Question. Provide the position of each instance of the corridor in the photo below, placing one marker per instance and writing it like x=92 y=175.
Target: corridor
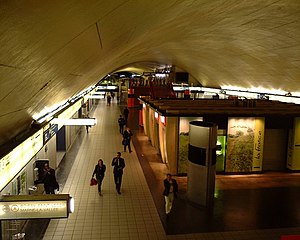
x=138 y=212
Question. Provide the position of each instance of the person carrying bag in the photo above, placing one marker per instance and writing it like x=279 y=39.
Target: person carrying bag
x=99 y=171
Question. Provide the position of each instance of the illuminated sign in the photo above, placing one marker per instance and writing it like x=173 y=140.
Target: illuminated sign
x=163 y=120
x=96 y=96
x=68 y=113
x=34 y=207
x=13 y=162
x=76 y=121
x=245 y=144
x=113 y=87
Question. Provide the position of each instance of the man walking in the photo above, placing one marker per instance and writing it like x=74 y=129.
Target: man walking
x=126 y=113
x=118 y=163
x=170 y=191
x=127 y=134
x=121 y=122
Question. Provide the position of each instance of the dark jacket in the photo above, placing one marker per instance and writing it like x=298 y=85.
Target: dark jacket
x=50 y=179
x=99 y=171
x=126 y=112
x=168 y=186
x=118 y=165
x=127 y=135
x=121 y=121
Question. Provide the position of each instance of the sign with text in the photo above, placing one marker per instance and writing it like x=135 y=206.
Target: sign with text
x=35 y=206
x=245 y=144
x=50 y=132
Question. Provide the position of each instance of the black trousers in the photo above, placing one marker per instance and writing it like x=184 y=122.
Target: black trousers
x=118 y=181
x=121 y=129
x=129 y=147
x=49 y=189
x=99 y=181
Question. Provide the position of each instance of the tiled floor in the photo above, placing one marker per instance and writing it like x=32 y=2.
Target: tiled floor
x=137 y=212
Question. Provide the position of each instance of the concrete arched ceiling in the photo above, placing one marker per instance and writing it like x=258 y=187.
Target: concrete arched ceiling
x=51 y=50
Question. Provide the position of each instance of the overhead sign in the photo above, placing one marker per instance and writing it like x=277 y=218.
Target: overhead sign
x=76 y=121
x=35 y=206
x=50 y=132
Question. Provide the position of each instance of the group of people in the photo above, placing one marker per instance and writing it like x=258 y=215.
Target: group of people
x=118 y=164
x=127 y=134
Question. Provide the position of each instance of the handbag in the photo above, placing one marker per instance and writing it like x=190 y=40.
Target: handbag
x=93 y=182
x=125 y=142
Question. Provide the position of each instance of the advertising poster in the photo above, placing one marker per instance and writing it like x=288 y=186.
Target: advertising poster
x=184 y=124
x=259 y=131
x=244 y=144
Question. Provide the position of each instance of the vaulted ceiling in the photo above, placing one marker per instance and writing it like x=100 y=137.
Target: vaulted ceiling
x=51 y=50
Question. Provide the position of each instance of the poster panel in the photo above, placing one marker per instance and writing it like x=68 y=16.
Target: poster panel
x=259 y=131
x=244 y=144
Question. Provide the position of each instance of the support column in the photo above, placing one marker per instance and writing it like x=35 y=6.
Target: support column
x=202 y=162
x=130 y=98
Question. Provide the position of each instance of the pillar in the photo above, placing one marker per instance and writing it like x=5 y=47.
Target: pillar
x=130 y=98
x=202 y=162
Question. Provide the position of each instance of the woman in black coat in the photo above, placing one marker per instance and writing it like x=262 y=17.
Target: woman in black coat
x=99 y=171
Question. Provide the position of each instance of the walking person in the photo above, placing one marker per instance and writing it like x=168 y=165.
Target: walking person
x=118 y=163
x=50 y=183
x=127 y=134
x=126 y=113
x=108 y=98
x=170 y=191
x=87 y=126
x=99 y=171
x=121 y=122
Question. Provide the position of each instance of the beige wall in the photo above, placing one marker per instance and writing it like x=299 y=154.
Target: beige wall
x=151 y=126
x=146 y=120
x=172 y=143
x=162 y=142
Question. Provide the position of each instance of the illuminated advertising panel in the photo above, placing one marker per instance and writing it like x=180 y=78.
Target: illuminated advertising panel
x=29 y=210
x=35 y=207
x=244 y=144
x=258 y=147
x=13 y=162
x=68 y=113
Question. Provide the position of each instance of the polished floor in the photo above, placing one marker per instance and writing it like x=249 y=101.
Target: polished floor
x=264 y=206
